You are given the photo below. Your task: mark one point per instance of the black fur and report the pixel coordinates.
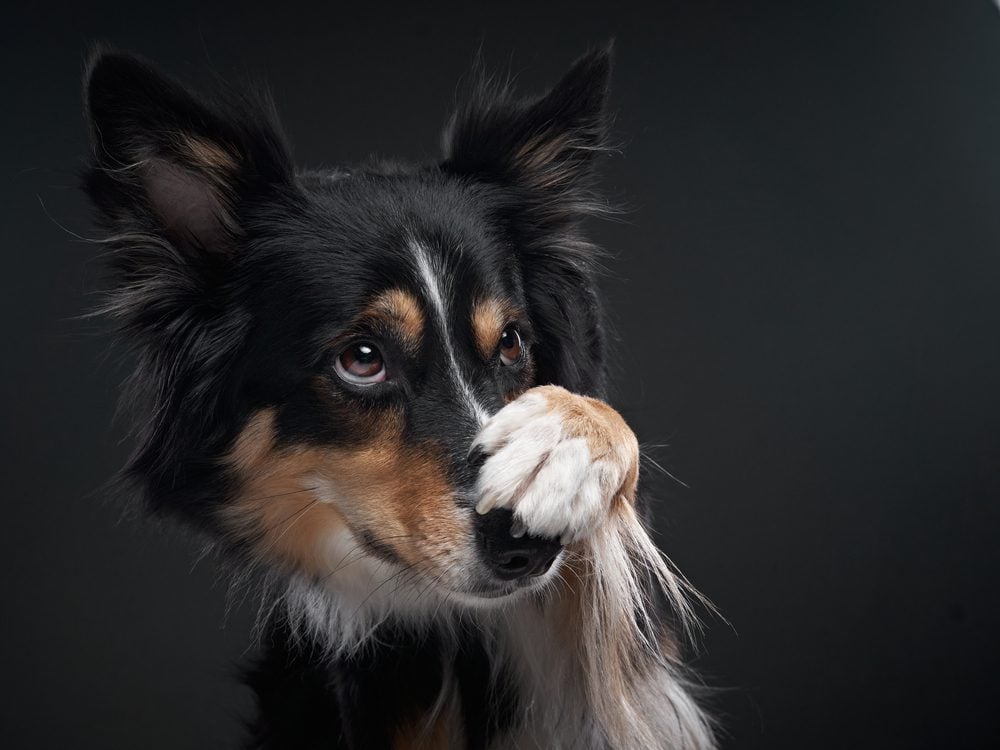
(355, 702)
(230, 273)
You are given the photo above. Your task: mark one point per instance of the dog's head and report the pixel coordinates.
(316, 350)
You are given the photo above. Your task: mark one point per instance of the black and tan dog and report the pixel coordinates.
(378, 389)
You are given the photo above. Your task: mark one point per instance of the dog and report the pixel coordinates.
(378, 392)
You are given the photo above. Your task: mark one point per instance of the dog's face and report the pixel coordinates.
(317, 351)
(376, 362)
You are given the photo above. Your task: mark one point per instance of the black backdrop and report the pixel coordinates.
(805, 291)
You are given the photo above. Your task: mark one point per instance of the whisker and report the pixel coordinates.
(360, 548)
(262, 498)
(377, 588)
(649, 459)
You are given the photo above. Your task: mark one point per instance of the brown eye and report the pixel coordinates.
(510, 346)
(360, 364)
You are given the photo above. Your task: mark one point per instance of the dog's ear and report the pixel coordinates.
(541, 152)
(166, 163)
(544, 145)
(176, 182)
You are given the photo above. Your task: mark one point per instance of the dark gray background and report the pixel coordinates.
(806, 292)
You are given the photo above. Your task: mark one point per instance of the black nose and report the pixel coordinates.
(511, 558)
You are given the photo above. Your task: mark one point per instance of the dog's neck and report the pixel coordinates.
(499, 677)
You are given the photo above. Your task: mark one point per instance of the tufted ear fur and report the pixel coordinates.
(544, 145)
(174, 180)
(539, 154)
(168, 162)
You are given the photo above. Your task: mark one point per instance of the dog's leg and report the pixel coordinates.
(561, 462)
(567, 466)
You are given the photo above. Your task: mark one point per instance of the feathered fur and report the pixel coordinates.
(390, 615)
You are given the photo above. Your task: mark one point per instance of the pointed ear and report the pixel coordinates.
(542, 151)
(545, 144)
(169, 164)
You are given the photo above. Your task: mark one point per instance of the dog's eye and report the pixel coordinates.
(360, 364)
(510, 346)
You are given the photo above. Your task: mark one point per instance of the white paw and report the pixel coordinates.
(558, 461)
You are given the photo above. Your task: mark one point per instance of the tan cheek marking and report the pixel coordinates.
(400, 496)
(608, 435)
(400, 310)
(276, 507)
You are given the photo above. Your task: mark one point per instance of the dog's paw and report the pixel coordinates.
(559, 461)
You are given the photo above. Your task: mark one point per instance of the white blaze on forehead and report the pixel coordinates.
(435, 282)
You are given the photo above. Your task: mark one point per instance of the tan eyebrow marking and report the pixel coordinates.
(489, 316)
(400, 312)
